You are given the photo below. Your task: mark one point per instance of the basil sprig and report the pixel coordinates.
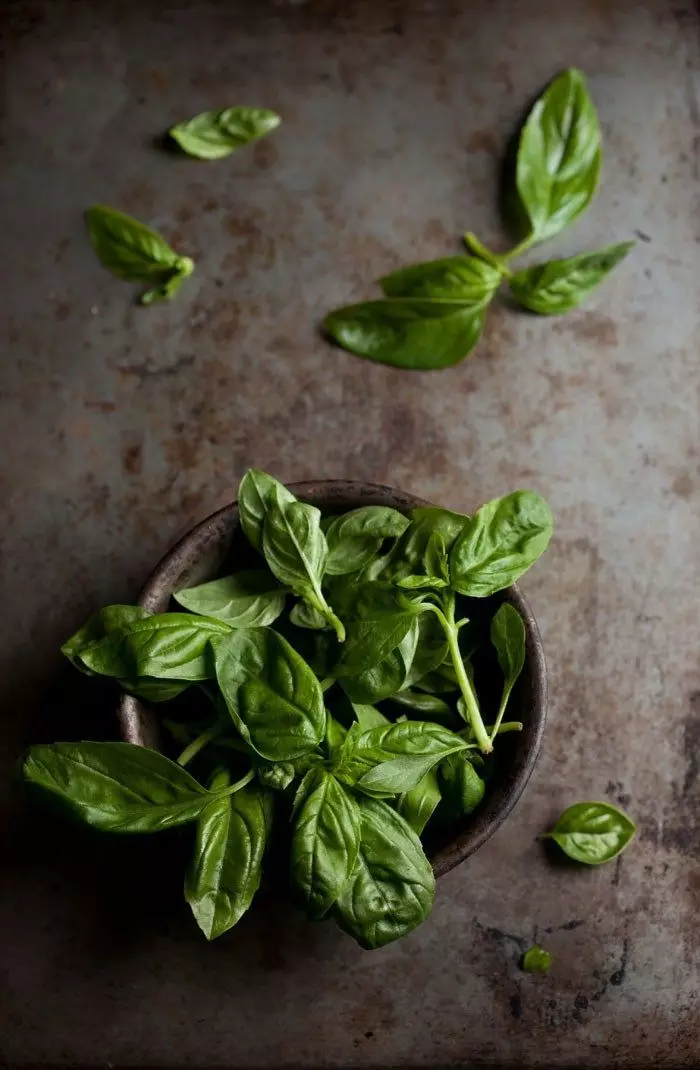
(212, 135)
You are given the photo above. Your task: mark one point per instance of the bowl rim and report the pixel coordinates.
(138, 722)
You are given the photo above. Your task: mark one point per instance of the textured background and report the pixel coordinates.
(121, 426)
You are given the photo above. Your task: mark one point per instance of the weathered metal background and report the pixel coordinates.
(120, 426)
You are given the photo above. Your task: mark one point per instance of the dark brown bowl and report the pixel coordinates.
(200, 555)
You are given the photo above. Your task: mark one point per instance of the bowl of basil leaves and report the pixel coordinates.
(339, 667)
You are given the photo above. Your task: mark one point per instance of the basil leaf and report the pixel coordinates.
(276, 775)
(381, 620)
(168, 646)
(356, 537)
(414, 333)
(441, 681)
(212, 135)
(335, 733)
(418, 550)
(392, 887)
(249, 599)
(593, 832)
(560, 285)
(108, 621)
(368, 716)
(136, 253)
(391, 759)
(558, 162)
(418, 805)
(304, 615)
(116, 787)
(274, 698)
(425, 704)
(536, 960)
(152, 690)
(226, 866)
(501, 542)
(462, 787)
(325, 842)
(463, 279)
(256, 494)
(388, 676)
(508, 638)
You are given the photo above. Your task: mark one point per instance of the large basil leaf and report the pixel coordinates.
(117, 787)
(273, 696)
(226, 866)
(249, 599)
(381, 619)
(392, 887)
(501, 542)
(134, 252)
(464, 279)
(212, 135)
(508, 638)
(256, 494)
(392, 759)
(462, 787)
(108, 621)
(295, 548)
(325, 842)
(418, 805)
(593, 832)
(387, 676)
(168, 646)
(558, 161)
(560, 285)
(356, 537)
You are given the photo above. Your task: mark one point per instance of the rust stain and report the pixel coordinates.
(683, 485)
(101, 406)
(132, 459)
(265, 154)
(484, 141)
(591, 327)
(62, 311)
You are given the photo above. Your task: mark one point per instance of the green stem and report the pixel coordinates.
(447, 620)
(520, 248)
(238, 785)
(193, 748)
(475, 246)
(501, 710)
(323, 607)
(327, 683)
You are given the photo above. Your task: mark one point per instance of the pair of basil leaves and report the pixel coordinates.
(432, 314)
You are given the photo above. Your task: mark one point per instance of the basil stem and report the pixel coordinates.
(475, 246)
(449, 625)
(199, 743)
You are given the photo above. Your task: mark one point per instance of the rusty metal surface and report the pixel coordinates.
(121, 426)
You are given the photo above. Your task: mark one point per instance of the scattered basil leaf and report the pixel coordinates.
(465, 280)
(273, 696)
(355, 538)
(256, 494)
(536, 960)
(212, 135)
(392, 887)
(560, 285)
(462, 787)
(249, 599)
(418, 805)
(325, 842)
(593, 832)
(392, 759)
(501, 542)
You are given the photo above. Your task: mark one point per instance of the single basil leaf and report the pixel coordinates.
(560, 285)
(414, 333)
(356, 537)
(108, 621)
(558, 162)
(304, 615)
(463, 279)
(226, 866)
(168, 646)
(416, 550)
(501, 542)
(295, 549)
(429, 706)
(212, 135)
(419, 583)
(431, 650)
(381, 619)
(368, 716)
(133, 251)
(593, 832)
(325, 842)
(117, 787)
(441, 681)
(273, 696)
(335, 733)
(392, 887)
(152, 690)
(248, 599)
(508, 638)
(276, 775)
(388, 760)
(462, 787)
(418, 805)
(256, 494)
(388, 676)
(536, 960)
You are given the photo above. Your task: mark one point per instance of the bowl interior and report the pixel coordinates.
(217, 546)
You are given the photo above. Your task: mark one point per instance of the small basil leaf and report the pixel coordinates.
(368, 716)
(212, 135)
(110, 620)
(462, 787)
(131, 250)
(501, 542)
(558, 162)
(296, 551)
(414, 333)
(276, 775)
(560, 285)
(381, 619)
(508, 638)
(387, 676)
(168, 646)
(391, 759)
(117, 787)
(226, 866)
(273, 696)
(335, 733)
(419, 583)
(355, 537)
(325, 842)
(392, 887)
(463, 279)
(427, 705)
(418, 805)
(536, 960)
(416, 550)
(249, 599)
(431, 650)
(593, 832)
(256, 494)
(304, 615)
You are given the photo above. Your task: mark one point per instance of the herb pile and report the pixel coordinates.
(342, 702)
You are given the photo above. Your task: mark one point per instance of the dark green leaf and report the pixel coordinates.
(109, 621)
(152, 690)
(500, 543)
(212, 135)
(593, 832)
(168, 646)
(465, 280)
(381, 619)
(249, 599)
(356, 537)
(304, 615)
(273, 696)
(558, 160)
(368, 716)
(325, 842)
(462, 787)
(335, 733)
(536, 960)
(276, 775)
(419, 583)
(418, 805)
(508, 638)
(256, 494)
(426, 704)
(418, 550)
(387, 676)
(392, 887)
(560, 285)
(391, 759)
(117, 787)
(226, 866)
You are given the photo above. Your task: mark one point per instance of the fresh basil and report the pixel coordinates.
(536, 960)
(273, 696)
(560, 285)
(132, 251)
(386, 677)
(304, 615)
(168, 646)
(462, 787)
(249, 599)
(418, 550)
(335, 733)
(508, 638)
(501, 542)
(381, 619)
(558, 161)
(256, 494)
(368, 716)
(356, 537)
(212, 135)
(391, 759)
(325, 842)
(111, 620)
(465, 280)
(226, 866)
(392, 887)
(418, 805)
(423, 703)
(276, 775)
(593, 832)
